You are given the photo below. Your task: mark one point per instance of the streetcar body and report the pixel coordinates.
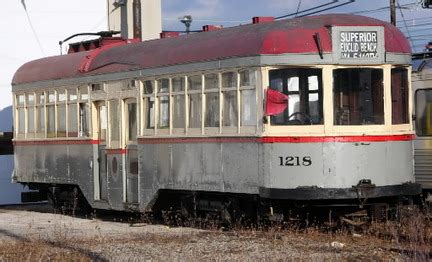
(422, 89)
(308, 109)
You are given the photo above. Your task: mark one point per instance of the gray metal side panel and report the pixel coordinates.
(340, 165)
(62, 164)
(423, 161)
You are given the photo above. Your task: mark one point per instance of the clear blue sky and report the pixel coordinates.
(53, 20)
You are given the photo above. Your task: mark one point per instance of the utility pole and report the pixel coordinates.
(393, 12)
(137, 27)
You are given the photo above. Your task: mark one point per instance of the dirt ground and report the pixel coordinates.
(36, 233)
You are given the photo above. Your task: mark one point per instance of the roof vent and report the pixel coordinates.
(208, 28)
(262, 19)
(169, 34)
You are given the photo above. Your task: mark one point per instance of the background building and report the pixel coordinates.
(121, 17)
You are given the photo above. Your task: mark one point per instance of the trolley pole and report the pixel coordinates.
(393, 12)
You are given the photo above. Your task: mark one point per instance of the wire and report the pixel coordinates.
(210, 21)
(32, 28)
(307, 10)
(298, 8)
(403, 18)
(380, 9)
(418, 30)
(424, 24)
(329, 8)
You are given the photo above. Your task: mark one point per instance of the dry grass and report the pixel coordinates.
(408, 238)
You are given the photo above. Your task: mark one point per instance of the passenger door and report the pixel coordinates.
(101, 155)
(131, 146)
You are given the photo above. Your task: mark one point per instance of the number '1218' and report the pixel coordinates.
(295, 161)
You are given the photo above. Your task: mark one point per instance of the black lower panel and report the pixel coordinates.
(315, 193)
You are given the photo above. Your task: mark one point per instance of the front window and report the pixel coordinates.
(399, 90)
(424, 112)
(302, 88)
(358, 96)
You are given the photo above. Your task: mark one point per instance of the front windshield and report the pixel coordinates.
(303, 90)
(358, 96)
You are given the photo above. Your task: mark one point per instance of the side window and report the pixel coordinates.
(178, 95)
(163, 100)
(72, 113)
(423, 111)
(302, 92)
(131, 120)
(114, 120)
(399, 90)
(248, 98)
(51, 114)
(149, 105)
(102, 120)
(229, 94)
(61, 113)
(211, 92)
(20, 101)
(358, 96)
(30, 105)
(40, 115)
(195, 101)
(84, 113)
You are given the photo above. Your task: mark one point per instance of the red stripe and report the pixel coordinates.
(290, 139)
(343, 139)
(116, 151)
(197, 140)
(56, 142)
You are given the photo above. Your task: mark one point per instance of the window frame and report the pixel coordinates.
(200, 92)
(147, 117)
(174, 94)
(42, 106)
(69, 103)
(252, 86)
(416, 112)
(18, 107)
(382, 71)
(213, 130)
(297, 130)
(165, 130)
(223, 94)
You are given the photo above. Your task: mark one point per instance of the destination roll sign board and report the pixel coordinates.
(358, 44)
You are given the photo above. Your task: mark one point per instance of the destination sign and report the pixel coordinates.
(358, 44)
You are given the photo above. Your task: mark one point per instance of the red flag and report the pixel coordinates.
(276, 102)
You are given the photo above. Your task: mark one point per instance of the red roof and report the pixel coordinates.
(280, 37)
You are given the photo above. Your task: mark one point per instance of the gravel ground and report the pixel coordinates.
(29, 233)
